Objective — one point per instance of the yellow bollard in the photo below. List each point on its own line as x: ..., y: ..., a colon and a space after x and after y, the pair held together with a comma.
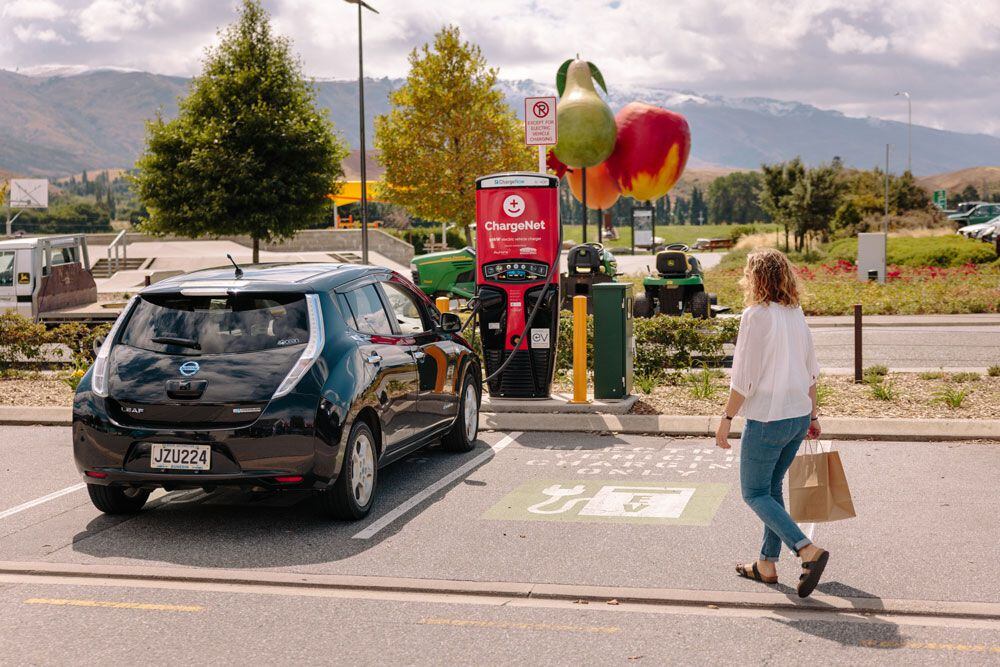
x: 579, y: 350
x: 443, y: 304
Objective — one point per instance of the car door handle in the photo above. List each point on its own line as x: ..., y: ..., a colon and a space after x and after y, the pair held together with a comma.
x: 419, y: 354
x: 374, y: 358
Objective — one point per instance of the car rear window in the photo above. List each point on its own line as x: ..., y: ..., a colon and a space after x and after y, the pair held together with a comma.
x: 193, y: 325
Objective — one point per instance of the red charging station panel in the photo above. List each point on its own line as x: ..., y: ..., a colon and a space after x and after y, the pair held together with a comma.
x: 517, y: 240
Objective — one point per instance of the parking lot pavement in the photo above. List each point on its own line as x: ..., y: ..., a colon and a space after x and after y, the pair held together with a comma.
x: 112, y: 624
x: 560, y: 508
x: 910, y: 347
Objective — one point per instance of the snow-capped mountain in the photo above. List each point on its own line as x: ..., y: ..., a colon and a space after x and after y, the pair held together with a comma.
x: 62, y: 119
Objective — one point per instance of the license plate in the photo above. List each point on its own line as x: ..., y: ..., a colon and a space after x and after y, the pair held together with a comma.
x: 181, y: 457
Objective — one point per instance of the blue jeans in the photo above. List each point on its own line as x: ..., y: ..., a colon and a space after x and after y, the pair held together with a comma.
x: 766, y: 453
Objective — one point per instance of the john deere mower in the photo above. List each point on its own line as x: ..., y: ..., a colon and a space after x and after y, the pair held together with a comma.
x: 677, y: 288
x: 587, y: 265
x: 447, y: 273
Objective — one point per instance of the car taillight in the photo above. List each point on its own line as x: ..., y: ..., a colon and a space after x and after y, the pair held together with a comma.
x: 290, y: 479
x: 99, y: 379
x: 317, y: 338
x: 95, y: 474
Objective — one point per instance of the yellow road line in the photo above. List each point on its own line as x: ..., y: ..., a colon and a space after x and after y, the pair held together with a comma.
x: 503, y: 625
x: 114, y: 605
x: 930, y: 646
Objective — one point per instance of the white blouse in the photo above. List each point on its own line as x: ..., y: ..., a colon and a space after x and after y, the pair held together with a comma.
x: 775, y: 363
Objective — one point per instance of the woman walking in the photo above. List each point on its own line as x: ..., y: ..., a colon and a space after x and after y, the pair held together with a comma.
x: 774, y: 388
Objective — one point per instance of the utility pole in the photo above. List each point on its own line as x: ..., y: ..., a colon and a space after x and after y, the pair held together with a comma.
x: 885, y: 218
x: 361, y: 112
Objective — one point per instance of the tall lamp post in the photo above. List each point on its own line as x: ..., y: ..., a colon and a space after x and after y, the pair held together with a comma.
x: 909, y: 130
x: 361, y: 113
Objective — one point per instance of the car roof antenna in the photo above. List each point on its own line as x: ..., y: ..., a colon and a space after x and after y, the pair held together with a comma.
x: 239, y: 271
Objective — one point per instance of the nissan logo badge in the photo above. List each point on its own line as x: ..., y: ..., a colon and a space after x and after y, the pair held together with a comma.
x: 189, y: 368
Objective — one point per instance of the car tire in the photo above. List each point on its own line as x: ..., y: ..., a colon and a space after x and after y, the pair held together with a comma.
x: 641, y: 306
x: 465, y: 430
x: 117, y: 499
x: 351, y: 497
x: 700, y: 305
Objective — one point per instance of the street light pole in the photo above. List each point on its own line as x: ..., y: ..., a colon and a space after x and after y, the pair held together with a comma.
x: 909, y: 130
x: 361, y: 112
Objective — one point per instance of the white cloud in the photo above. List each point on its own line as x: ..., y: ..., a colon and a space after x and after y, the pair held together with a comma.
x: 33, y: 10
x: 846, y: 54
x: 109, y: 20
x: 31, y: 33
x: 847, y: 38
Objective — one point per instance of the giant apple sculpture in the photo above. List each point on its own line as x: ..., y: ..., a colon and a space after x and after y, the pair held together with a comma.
x: 650, y: 153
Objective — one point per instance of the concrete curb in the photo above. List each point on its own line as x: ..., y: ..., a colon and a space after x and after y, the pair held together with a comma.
x: 834, y: 428
x: 514, y: 590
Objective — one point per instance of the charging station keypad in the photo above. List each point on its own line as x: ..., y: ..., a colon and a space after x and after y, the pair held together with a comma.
x: 515, y: 271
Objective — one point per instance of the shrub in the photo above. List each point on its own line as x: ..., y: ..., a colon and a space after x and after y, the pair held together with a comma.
x: 993, y: 371
x: 647, y: 382
x: 874, y: 374
x: 883, y: 391
x: 823, y: 394
x: 964, y: 377
x: 664, y: 342
x: 942, y: 251
x: 21, y: 339
x: 951, y: 396
x: 419, y: 237
x: 931, y: 375
x: 702, y: 384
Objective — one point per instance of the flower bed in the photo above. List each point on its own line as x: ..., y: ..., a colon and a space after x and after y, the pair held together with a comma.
x: 832, y: 288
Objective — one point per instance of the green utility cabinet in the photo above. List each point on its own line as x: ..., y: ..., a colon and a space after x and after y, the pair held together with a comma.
x: 614, y: 340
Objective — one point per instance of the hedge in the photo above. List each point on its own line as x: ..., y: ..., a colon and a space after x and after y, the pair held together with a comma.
x: 22, y: 339
x: 943, y: 251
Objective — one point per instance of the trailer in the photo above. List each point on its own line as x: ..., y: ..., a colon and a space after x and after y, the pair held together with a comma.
x: 48, y: 279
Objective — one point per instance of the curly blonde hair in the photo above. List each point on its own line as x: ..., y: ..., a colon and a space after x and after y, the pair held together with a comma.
x: 769, y: 276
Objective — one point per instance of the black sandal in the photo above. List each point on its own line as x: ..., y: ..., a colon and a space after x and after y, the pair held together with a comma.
x: 754, y: 574
x: 809, y: 580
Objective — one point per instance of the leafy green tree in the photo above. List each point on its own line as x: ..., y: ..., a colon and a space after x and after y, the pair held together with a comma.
x: 776, y: 197
x: 736, y: 198
x: 449, y: 125
x: 813, y: 202
x: 249, y: 152
x: 969, y: 193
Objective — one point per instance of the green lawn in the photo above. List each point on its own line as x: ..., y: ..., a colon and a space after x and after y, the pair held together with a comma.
x: 687, y: 234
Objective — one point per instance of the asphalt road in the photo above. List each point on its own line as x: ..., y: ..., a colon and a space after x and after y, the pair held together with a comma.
x: 910, y: 347
x: 573, y: 509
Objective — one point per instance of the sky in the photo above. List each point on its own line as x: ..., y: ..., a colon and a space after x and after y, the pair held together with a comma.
x: 848, y: 55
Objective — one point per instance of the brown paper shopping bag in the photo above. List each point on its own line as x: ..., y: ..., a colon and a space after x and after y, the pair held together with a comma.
x: 817, y: 487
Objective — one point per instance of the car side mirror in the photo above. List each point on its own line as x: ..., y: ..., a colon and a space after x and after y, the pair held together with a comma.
x: 451, y: 323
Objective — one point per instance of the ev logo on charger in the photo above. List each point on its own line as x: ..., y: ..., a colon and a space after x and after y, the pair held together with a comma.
x: 540, y: 339
x: 513, y: 206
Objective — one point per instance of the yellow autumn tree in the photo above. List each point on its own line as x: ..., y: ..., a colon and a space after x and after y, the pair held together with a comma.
x: 448, y: 126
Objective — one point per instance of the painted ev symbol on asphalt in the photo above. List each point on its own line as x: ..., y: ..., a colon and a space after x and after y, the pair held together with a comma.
x: 541, y: 109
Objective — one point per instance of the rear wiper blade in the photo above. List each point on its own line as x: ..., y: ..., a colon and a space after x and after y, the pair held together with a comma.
x: 180, y: 342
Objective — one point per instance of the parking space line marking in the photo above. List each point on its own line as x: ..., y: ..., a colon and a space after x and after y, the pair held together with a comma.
x: 506, y: 625
x: 144, y: 606
x: 38, y: 501
x: 400, y: 510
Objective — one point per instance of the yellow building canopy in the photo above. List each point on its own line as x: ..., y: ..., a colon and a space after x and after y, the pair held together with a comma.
x: 350, y: 192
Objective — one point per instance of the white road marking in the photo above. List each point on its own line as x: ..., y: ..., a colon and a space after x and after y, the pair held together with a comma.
x: 38, y: 501
x: 400, y: 510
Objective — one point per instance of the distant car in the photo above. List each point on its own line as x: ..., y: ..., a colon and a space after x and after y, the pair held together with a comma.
x: 989, y: 234
x: 976, y: 215
x: 971, y: 231
x: 304, y: 376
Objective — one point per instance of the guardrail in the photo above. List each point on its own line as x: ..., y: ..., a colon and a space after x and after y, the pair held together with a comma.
x: 120, y: 243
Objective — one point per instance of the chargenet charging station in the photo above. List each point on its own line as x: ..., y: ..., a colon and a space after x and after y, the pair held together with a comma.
x: 518, y: 240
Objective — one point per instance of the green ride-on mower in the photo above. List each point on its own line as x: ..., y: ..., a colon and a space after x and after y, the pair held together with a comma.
x: 447, y: 273
x: 587, y: 265
x: 678, y: 287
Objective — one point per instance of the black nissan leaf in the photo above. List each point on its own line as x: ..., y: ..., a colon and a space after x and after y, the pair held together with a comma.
x: 295, y: 376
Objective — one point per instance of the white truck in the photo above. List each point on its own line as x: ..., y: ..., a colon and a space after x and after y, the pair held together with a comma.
x: 47, y: 278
